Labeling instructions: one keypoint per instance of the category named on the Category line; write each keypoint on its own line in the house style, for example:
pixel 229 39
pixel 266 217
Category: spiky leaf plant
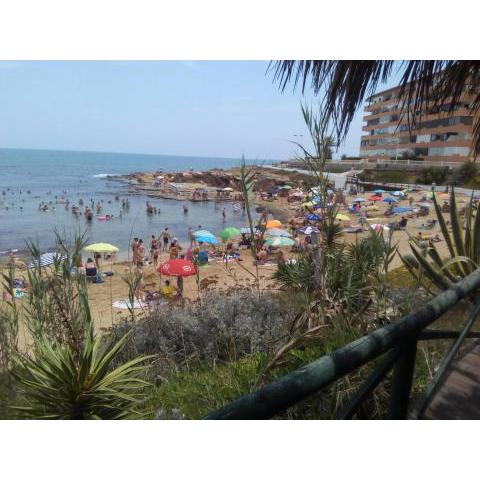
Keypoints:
pixel 58 384
pixel 438 272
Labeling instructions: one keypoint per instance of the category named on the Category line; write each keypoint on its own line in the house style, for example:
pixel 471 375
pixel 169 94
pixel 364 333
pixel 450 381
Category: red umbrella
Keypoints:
pixel 375 198
pixel 177 268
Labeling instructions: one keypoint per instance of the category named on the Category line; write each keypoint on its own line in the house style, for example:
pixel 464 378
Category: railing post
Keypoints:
pixel 402 380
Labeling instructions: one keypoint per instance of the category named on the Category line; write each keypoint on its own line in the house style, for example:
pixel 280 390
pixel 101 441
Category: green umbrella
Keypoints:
pixel 280 242
pixel 228 233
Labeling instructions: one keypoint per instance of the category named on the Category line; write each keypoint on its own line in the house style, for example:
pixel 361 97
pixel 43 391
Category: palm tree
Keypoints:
pixel 346 84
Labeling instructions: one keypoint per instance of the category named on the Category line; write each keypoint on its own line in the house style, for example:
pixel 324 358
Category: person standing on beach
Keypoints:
pixel 166 238
pixel 153 247
pixel 140 251
pixel 139 282
pixel 191 237
pixel 134 250
pixel 224 214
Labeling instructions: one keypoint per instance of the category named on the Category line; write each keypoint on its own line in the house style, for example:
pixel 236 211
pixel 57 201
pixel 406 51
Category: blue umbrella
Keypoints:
pixel 402 209
pixel 389 200
pixel 379 190
pixel 206 239
pixel 199 233
pixel 313 217
pixel 398 193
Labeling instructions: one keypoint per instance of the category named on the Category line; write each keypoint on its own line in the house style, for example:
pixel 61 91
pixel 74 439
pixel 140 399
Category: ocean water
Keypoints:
pixel 29 177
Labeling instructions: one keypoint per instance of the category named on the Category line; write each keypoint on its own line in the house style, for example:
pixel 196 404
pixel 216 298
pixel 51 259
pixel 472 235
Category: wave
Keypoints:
pixel 104 175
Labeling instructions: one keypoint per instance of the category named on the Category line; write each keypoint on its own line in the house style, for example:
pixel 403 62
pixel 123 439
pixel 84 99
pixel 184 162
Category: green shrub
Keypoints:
pixel 385 176
pixel 465 173
pixel 220 328
pixel 438 175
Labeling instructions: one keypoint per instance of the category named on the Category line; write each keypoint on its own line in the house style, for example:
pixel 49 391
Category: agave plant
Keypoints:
pixel 463 243
pixel 59 384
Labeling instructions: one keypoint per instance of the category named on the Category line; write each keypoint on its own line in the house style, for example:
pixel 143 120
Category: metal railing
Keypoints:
pixel 396 341
pixel 369 163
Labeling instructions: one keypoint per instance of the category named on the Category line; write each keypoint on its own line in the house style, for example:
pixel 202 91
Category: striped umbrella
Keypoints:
pixel 46 259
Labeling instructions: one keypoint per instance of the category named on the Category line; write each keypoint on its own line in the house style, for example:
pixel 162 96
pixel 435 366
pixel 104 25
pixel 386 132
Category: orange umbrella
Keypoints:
pixel 274 224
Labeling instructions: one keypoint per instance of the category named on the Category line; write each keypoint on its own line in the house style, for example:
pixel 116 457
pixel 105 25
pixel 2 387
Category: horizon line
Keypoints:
pixel 135 153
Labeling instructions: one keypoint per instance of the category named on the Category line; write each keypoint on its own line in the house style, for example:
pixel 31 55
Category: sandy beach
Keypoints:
pixel 223 276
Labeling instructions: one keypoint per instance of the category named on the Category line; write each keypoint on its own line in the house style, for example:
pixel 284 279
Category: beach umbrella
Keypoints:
pixel 307 204
pixel 398 193
pixel 341 216
pixel 375 198
pixel 308 230
pixel 358 199
pixel 313 217
pixel 389 200
pixel 46 259
pixel 207 239
pixel 199 233
pixel 228 233
pixel 278 232
pixel 274 224
pixel 247 230
pixel 280 242
pixel 101 248
pixel 177 267
pixel 402 209
pixel 379 190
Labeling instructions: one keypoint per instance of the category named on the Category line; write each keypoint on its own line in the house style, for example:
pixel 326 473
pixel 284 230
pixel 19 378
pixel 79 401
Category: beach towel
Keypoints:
pixel 124 304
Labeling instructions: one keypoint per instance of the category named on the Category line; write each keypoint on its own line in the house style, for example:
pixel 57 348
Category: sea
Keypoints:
pixel 29 177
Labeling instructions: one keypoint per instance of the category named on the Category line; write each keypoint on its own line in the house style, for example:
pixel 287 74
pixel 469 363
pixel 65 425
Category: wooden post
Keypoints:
pixel 402 380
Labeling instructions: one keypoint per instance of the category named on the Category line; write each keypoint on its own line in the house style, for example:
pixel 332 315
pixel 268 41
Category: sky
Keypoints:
pixel 211 108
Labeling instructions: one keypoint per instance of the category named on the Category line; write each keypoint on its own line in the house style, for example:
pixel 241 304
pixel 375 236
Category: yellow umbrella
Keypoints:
pixel 101 248
pixel 308 204
pixel 341 216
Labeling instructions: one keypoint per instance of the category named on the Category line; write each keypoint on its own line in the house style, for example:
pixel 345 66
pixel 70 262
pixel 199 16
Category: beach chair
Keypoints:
pixel 92 276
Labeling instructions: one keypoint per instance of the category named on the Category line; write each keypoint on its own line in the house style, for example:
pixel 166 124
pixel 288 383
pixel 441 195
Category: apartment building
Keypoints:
pixel 437 135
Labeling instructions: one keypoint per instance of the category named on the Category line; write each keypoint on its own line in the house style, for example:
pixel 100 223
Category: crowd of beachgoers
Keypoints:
pixel 285 221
